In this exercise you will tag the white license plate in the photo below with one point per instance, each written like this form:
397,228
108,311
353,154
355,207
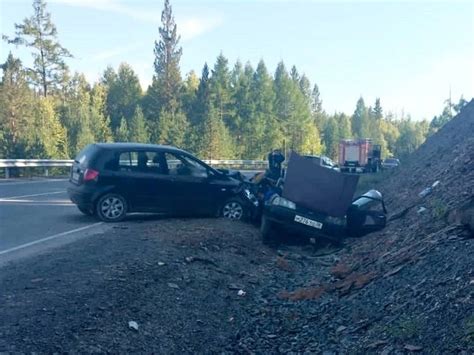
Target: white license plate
308,222
75,176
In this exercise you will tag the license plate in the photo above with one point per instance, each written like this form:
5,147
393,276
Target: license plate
75,176
308,222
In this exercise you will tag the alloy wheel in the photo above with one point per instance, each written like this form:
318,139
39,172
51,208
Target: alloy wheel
112,207
233,210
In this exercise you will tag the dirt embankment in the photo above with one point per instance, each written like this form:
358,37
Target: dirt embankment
211,286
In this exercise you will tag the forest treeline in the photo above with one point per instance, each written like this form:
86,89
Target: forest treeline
228,111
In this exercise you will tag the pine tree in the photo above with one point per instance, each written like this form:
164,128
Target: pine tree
264,97
331,137
167,78
220,89
216,137
378,112
305,87
122,134
360,120
343,125
200,109
171,128
100,122
49,133
319,116
293,111
162,102
190,88
124,93
295,76
75,114
242,128
40,34
137,129
282,87
16,109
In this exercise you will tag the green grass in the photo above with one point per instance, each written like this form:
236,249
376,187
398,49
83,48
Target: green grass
370,181
405,329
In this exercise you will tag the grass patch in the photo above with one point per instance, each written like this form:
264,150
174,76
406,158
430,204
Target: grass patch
371,181
405,329
469,329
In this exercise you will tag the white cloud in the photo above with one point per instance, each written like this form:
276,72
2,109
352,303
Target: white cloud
111,53
189,27
113,6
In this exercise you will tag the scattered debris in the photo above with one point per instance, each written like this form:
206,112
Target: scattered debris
413,347
133,325
241,293
173,285
425,192
421,210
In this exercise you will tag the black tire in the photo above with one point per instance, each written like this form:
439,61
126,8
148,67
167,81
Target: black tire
234,209
111,208
267,230
85,210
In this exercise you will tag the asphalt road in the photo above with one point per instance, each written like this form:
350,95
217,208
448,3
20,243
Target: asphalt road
32,211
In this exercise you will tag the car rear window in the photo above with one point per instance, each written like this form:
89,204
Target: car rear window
85,155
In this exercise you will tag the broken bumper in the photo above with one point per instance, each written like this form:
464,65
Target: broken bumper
303,224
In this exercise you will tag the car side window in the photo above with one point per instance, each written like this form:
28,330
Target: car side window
180,165
143,162
125,161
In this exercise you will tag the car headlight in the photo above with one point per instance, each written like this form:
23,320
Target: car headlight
283,202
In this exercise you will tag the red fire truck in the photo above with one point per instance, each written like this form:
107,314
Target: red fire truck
359,155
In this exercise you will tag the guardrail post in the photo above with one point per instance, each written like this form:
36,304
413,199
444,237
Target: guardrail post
7,173
46,172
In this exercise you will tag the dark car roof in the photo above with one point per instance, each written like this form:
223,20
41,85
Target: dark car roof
130,145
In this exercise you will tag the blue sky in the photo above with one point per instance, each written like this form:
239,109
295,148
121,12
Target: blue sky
408,53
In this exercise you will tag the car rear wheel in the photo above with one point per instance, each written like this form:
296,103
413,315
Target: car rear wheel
233,209
111,208
85,210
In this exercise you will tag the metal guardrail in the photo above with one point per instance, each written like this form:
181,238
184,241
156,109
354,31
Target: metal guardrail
7,164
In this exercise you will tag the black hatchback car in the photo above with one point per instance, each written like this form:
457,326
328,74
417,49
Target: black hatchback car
113,179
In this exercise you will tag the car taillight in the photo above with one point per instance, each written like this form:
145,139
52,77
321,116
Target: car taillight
90,174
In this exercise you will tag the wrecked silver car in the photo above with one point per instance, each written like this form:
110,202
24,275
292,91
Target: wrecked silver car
317,202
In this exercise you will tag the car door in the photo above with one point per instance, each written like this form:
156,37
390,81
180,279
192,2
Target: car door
144,178
192,191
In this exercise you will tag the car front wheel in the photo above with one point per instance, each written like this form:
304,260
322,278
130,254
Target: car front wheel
233,209
111,208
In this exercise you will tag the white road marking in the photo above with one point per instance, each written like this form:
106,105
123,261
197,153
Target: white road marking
34,195
49,238
8,183
29,203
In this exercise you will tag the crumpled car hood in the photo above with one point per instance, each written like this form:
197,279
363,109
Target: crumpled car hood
318,188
